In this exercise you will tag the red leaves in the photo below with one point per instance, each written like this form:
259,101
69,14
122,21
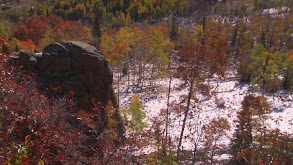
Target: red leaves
30,120
34,29
259,161
217,44
38,29
61,156
188,53
20,32
54,20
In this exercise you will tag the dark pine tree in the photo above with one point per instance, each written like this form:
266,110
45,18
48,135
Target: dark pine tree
96,28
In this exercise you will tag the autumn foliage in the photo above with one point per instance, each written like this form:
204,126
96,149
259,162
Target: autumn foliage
41,30
33,129
147,40
41,128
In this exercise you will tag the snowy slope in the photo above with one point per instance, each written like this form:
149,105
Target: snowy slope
202,112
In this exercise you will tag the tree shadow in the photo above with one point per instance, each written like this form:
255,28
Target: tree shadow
278,110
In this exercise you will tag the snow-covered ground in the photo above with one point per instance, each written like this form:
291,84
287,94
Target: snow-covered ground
206,109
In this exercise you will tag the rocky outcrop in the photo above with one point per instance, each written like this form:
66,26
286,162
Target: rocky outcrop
74,66
55,61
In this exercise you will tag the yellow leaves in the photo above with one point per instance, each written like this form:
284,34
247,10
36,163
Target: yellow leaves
27,139
136,111
41,162
85,34
160,44
197,35
125,35
117,47
106,43
138,41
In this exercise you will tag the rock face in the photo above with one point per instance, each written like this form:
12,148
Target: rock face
74,66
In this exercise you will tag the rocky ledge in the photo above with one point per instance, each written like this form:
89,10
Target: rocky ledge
74,66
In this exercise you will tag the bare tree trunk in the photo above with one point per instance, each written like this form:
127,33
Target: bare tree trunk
185,117
128,78
213,151
118,88
240,38
153,81
167,116
199,134
143,68
140,70
194,153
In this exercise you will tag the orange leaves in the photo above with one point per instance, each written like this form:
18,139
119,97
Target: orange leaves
71,30
42,30
29,45
259,161
67,30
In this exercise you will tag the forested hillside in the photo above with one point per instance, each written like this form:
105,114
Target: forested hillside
194,82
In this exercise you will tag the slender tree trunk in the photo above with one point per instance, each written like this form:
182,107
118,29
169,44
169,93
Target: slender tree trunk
142,81
213,152
240,38
185,117
153,77
203,28
194,153
235,33
118,87
128,77
167,116
134,77
173,34
199,134
264,139
139,72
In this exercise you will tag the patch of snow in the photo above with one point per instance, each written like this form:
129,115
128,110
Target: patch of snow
38,54
229,90
273,11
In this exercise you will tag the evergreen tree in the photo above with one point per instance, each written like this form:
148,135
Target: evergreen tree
96,29
135,110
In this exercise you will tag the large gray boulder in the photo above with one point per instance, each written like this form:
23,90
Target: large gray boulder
75,66
55,61
91,68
